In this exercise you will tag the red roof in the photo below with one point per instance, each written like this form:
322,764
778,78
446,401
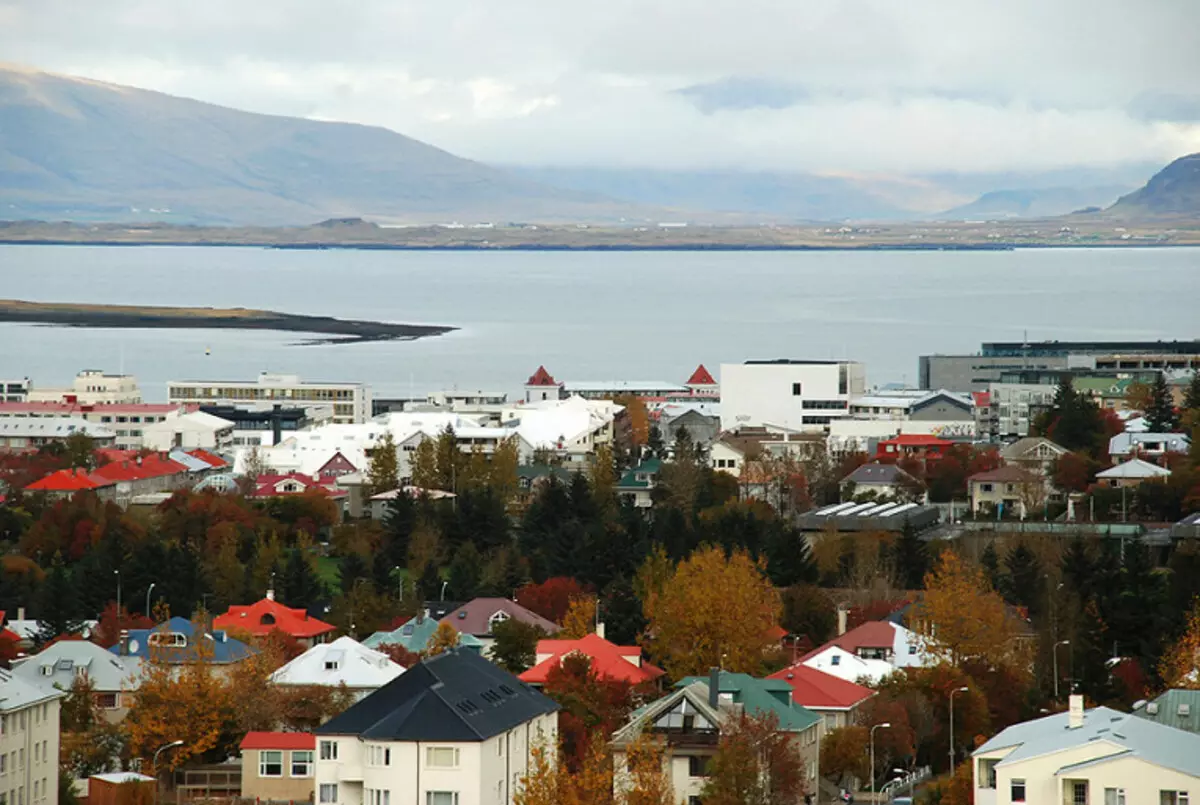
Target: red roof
279,740
266,615
110,454
541,378
266,485
917,440
609,660
821,691
982,399
872,634
151,466
67,481
65,408
208,458
701,377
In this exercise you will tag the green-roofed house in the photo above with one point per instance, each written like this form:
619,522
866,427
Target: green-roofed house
414,636
690,719
637,484
1176,708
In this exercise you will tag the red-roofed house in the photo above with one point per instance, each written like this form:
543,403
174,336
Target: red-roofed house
214,461
541,385
913,445
835,700
278,766
295,483
267,615
873,649
65,483
609,661
702,383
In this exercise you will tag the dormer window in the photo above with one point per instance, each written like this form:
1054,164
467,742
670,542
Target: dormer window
168,639
497,618
267,620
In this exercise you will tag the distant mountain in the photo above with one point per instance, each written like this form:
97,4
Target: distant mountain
1173,191
1036,202
76,149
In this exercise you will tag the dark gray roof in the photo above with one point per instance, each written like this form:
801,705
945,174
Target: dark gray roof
455,696
876,473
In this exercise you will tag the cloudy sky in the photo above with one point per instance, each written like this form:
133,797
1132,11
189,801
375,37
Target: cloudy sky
827,85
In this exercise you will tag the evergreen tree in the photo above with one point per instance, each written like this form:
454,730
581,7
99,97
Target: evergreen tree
550,536
1078,568
301,587
990,561
911,557
57,603
1191,397
1024,583
383,575
1137,615
351,567
185,592
789,560
383,472
398,523
621,612
654,444
429,583
1160,415
1073,421
464,572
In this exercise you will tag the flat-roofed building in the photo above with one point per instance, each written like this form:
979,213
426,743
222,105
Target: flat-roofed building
792,394
351,401
91,386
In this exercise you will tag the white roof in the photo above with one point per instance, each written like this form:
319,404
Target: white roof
344,661
120,777
1135,468
836,661
55,427
544,424
17,692
198,419
1125,442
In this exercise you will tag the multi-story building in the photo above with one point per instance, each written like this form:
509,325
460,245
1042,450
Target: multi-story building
790,394
114,680
30,434
29,737
91,387
1011,408
278,766
351,401
14,390
127,420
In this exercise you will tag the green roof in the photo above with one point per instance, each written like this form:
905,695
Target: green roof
414,636
762,696
1167,709
650,466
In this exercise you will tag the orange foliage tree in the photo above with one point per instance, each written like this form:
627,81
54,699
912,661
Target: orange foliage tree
580,619
1180,664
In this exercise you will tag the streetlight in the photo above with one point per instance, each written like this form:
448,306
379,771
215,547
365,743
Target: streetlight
399,581
117,573
154,763
444,583
963,689
1054,651
877,726
149,590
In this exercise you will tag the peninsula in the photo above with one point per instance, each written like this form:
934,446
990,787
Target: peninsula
330,330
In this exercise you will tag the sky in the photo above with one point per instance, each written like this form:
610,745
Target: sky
834,86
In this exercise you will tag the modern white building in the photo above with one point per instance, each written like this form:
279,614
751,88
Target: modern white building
1092,757
345,661
29,738
15,390
126,419
194,430
351,401
91,387
22,433
452,730
790,394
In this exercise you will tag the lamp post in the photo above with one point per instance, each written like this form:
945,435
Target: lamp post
1054,651
117,573
963,689
875,727
149,590
399,581
443,596
154,763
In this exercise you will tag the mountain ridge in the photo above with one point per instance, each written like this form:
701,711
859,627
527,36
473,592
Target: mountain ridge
1173,191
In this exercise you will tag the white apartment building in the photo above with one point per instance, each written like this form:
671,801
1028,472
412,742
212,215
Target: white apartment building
452,730
189,431
1012,408
127,420
14,390
91,387
351,401
790,394
29,736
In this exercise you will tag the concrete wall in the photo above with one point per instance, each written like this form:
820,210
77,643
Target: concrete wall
30,742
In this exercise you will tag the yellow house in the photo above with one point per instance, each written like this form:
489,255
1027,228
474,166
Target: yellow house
1093,757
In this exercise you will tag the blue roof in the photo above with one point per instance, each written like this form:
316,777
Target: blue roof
221,648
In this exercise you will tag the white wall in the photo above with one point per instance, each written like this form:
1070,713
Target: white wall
35,740
757,394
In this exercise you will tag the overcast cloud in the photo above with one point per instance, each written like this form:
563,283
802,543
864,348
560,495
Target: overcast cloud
826,85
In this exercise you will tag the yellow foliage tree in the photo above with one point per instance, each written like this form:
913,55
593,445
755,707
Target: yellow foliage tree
639,417
549,781
444,638
1180,664
580,619
713,611
647,782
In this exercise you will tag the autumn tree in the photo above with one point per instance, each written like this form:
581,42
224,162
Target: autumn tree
444,638
383,472
756,763
1072,472
424,465
552,598
89,744
638,418
844,753
580,619
591,705
645,781
808,611
1180,663
515,646
548,780
713,611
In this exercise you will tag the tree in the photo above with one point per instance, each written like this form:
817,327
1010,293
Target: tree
552,598
1190,411
1139,396
712,612
989,561
591,706
58,604
464,572
1180,663
1160,414
646,781
1073,419
912,558
808,611
515,646
1024,582
756,763
1072,472
621,613
444,638
301,587
844,753
580,619
383,471
424,465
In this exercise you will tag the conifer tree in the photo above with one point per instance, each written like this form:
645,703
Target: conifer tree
1023,580
990,561
1160,415
351,568
912,558
301,586
58,603
383,472
464,572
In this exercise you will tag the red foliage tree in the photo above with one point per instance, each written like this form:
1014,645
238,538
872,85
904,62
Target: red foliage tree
399,655
108,631
590,705
552,597
1073,472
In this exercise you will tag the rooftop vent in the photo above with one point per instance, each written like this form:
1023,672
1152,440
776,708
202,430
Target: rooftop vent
1152,708
1185,710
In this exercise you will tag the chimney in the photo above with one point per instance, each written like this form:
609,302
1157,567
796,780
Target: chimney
600,629
714,687
123,643
270,595
843,615
1075,712
276,424
20,613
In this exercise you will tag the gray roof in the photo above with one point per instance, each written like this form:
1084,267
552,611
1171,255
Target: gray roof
59,664
876,473
1135,737
17,693
697,695
1135,468
474,617
1018,449
1176,708
53,427
1125,442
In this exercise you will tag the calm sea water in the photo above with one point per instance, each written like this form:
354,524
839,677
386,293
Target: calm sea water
586,316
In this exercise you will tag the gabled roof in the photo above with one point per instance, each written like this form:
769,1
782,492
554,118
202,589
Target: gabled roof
846,665
608,660
219,648
760,697
697,697
208,458
17,693
877,473
1127,442
278,740
343,662
266,615
1006,474
414,636
67,481
701,377
59,664
1134,469
541,378
474,617
1176,708
268,486
821,691
456,696
1022,448
869,635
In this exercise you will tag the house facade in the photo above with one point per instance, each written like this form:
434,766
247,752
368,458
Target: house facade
29,740
1006,489
453,730
792,394
114,680
478,617
278,766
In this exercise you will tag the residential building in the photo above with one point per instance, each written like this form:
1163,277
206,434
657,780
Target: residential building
541,386
1012,409
917,447
1177,707
29,740
415,635
91,387
295,483
189,431
837,701
177,642
13,391
1034,454
1131,473
126,419
114,680
1088,756
278,766
478,616
25,433
857,435
608,660
637,484
879,481
346,662
849,667
1152,446
128,476
702,421
913,405
870,643
1008,488
453,730
351,401
268,615
733,451
789,394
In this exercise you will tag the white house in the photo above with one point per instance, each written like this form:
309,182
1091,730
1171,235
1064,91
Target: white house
873,650
114,680
797,395
452,730
1151,445
29,737
1098,756
345,661
190,431
1132,473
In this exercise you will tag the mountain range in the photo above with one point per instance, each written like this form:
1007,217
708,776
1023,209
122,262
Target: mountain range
82,150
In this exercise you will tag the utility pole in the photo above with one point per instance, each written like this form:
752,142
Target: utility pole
952,754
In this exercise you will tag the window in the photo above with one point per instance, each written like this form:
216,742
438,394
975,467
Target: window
302,763
985,487
1173,798
1018,791
1079,792
796,389
328,793
329,752
698,766
1114,796
836,659
987,773
379,755
441,757
441,798
270,763
106,701
3,764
